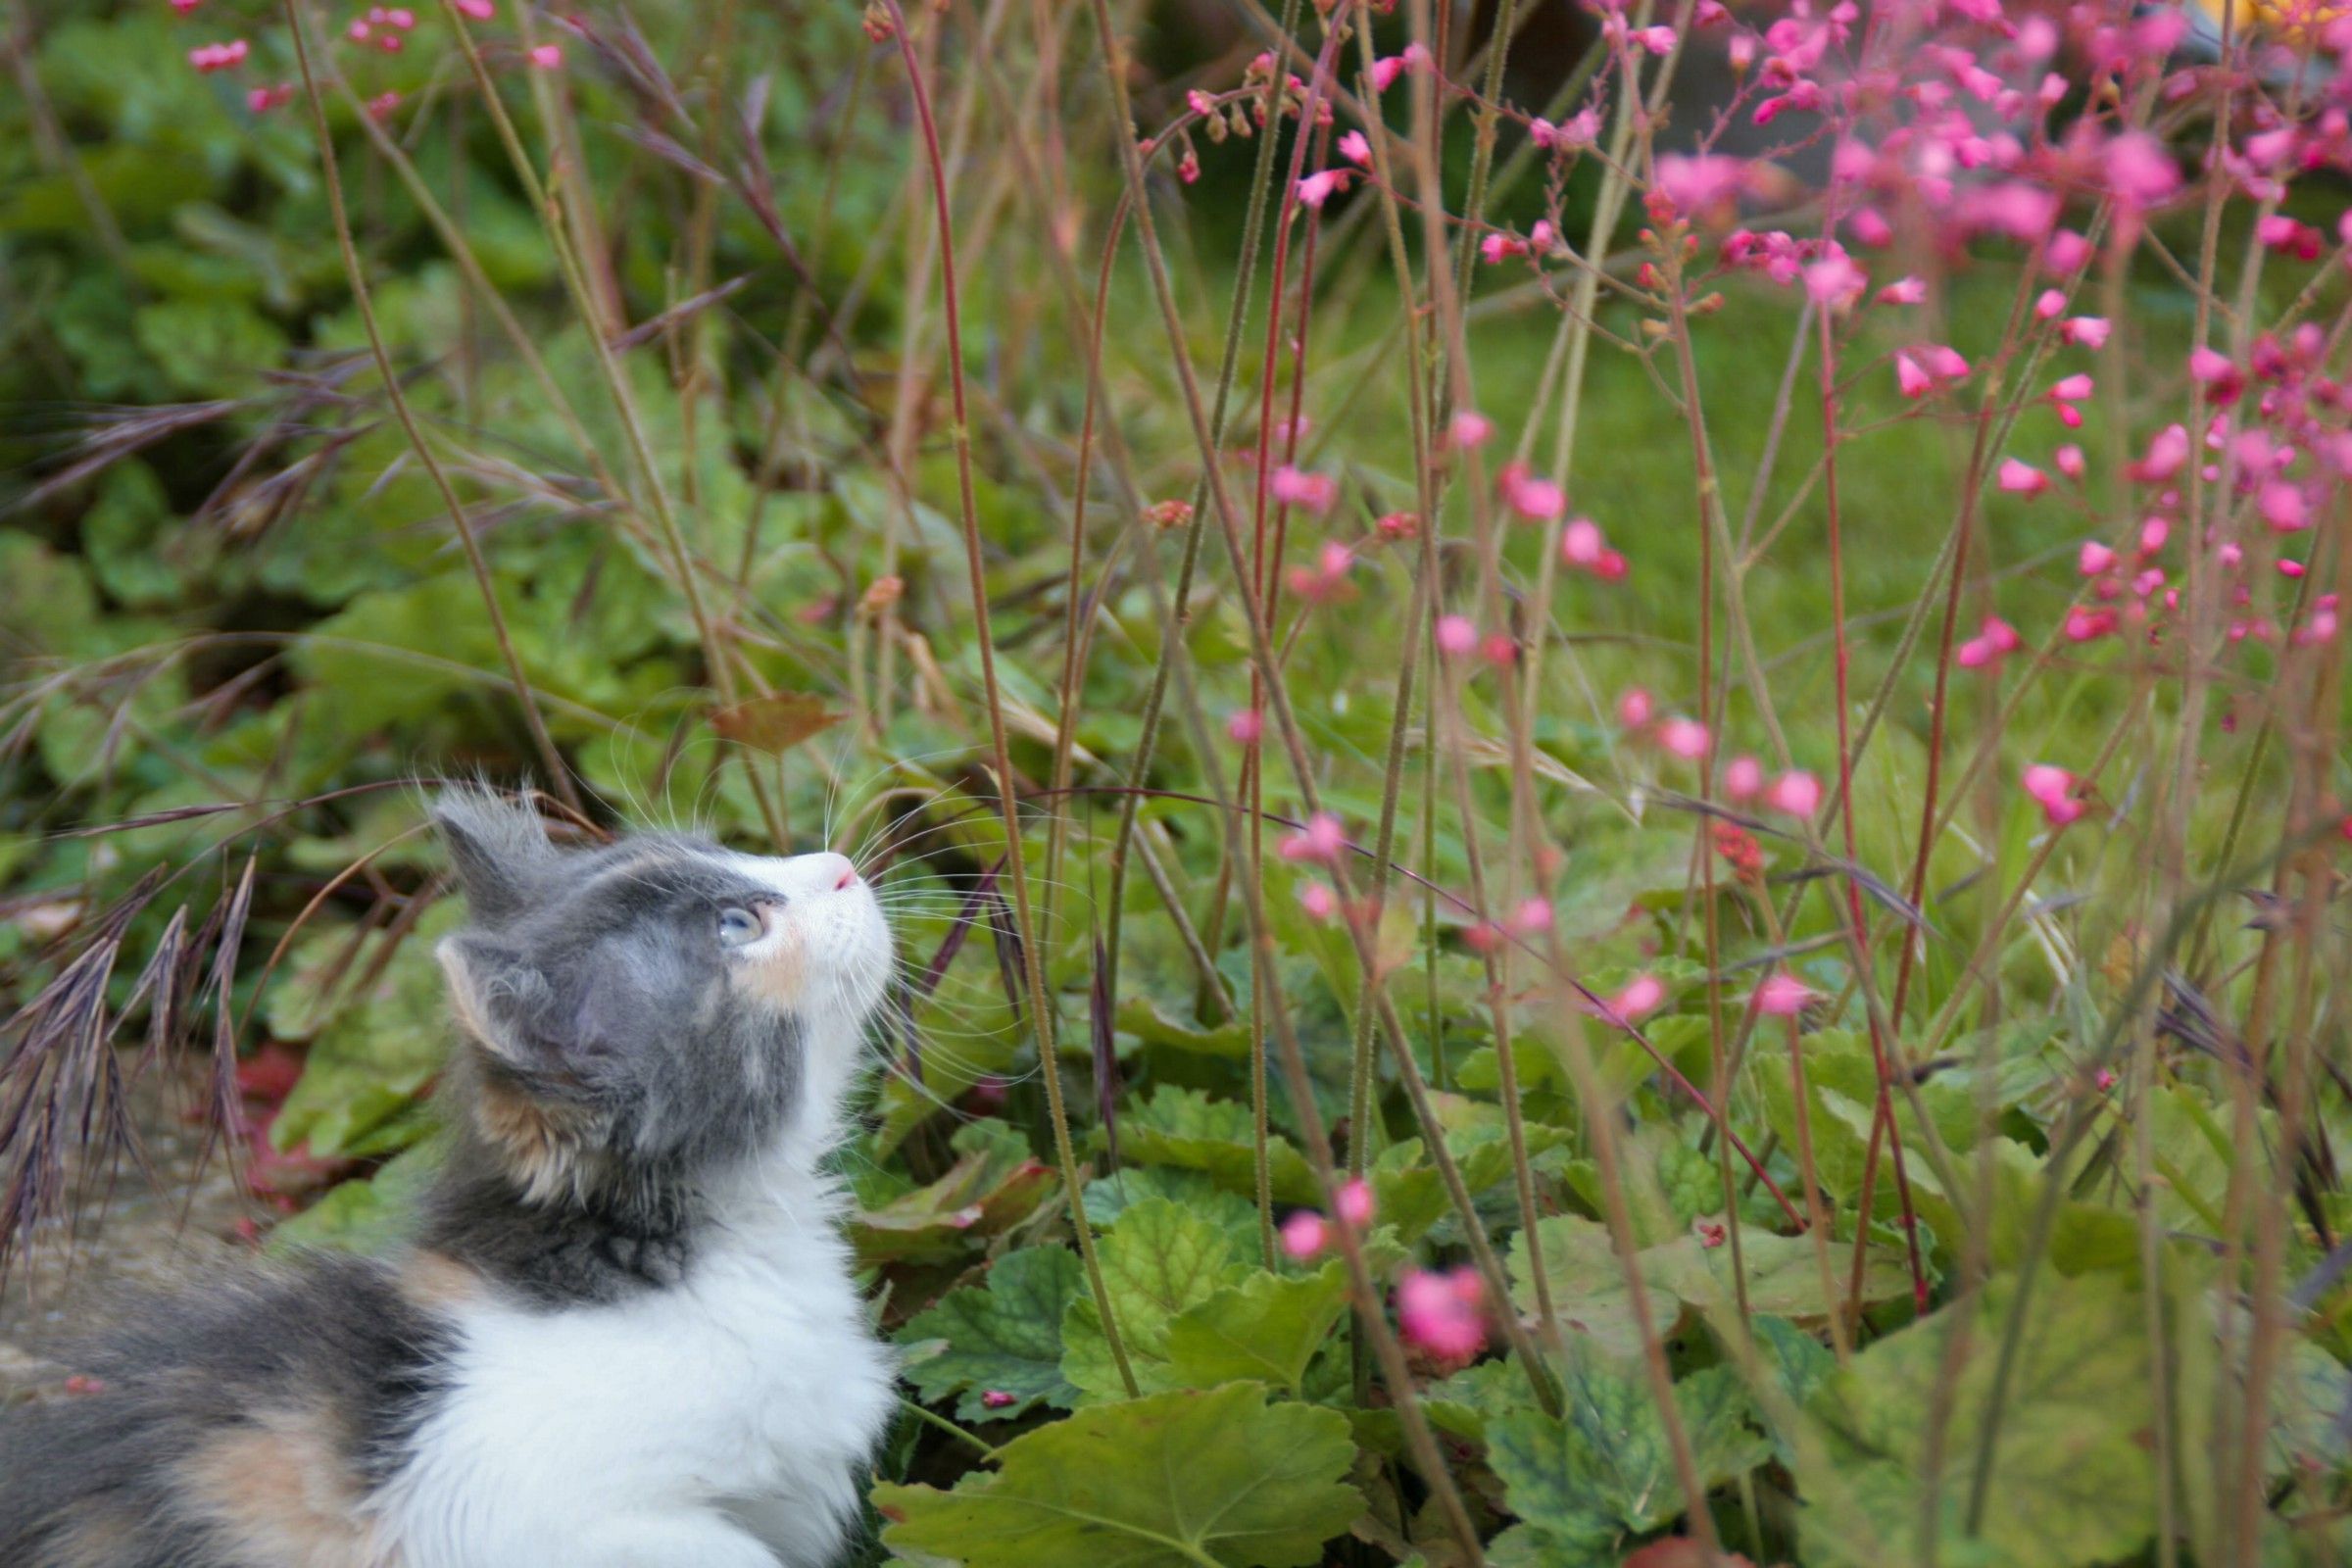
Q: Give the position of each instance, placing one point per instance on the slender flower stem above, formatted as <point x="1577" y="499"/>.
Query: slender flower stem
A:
<point x="1032" y="958"/>
<point x="559" y="776"/>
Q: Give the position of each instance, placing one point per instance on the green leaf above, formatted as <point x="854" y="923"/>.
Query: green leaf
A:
<point x="1605" y="1470"/>
<point x="1590" y="1294"/>
<point x="1158" y="1261"/>
<point x="1186" y="1129"/>
<point x="1267" y="1328"/>
<point x="1138" y="1017"/>
<point x="1110" y="1196"/>
<point x="1183" y="1480"/>
<point x="1803" y="1367"/>
<point x="370" y="1214"/>
<point x="1004" y="1336"/>
<point x="2069" y="1482"/>
<point x="373" y="1051"/>
<point x="994" y="1184"/>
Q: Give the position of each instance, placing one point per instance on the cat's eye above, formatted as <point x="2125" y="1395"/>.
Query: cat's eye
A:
<point x="739" y="926"/>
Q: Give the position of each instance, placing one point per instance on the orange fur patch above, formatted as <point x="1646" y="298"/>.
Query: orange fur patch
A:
<point x="780" y="980"/>
<point x="439" y="1283"/>
<point x="277" y="1495"/>
<point x="541" y="1145"/>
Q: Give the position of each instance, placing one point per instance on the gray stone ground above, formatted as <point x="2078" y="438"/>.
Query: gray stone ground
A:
<point x="181" y="1228"/>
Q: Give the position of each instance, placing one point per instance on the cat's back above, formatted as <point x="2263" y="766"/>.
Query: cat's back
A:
<point x="247" y="1424"/>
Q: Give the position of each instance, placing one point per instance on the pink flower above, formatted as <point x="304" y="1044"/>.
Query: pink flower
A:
<point x="1385" y="72"/>
<point x="1913" y="381"/>
<point x="1322" y="839"/>
<point x="1702" y="186"/>
<point x="1498" y="248"/>
<point x="2051" y="302"/>
<point x="1904" y="291"/>
<point x="2282" y="507"/>
<point x="2054" y="788"/>
<point x="1356" y="149"/>
<point x="1794" y="794"/>
<point x="2083" y="331"/>
<point x="1311" y="492"/>
<point x="2085" y="624"/>
<point x="1532" y="915"/>
<point x="1441" y="1312"/>
<point x="2139" y="171"/>
<point x="1317" y="189"/>
<point x="1536" y="500"/>
<point x="1580" y="130"/>
<point x="1835" y="283"/>
<point x="478" y="9"/>
<point x="1456" y="635"/>
<point x="1246" y="727"/>
<point x="2152" y="535"/>
<point x="1317" y="901"/>
<point x="1783" y="996"/>
<point x="1470" y="429"/>
<point x="2217" y="375"/>
<point x="211" y="57"/>
<point x="1742" y="778"/>
<point x="1353" y="1204"/>
<point x="183" y="7"/>
<point x="996" y="1398"/>
<point x="2076" y="388"/>
<point x="261" y="100"/>
<point x="1686" y="738"/>
<point x="1582" y="544"/>
<point x="2281" y="233"/>
<point x="2093" y="558"/>
<point x="1634" y="707"/>
<point x="1942" y="362"/>
<point x="547" y="57"/>
<point x="2068" y="460"/>
<point x="2166" y="455"/>
<point x="2067" y="253"/>
<point x="1304" y="1235"/>
<point x="1642" y="995"/>
<point x="2022" y="479"/>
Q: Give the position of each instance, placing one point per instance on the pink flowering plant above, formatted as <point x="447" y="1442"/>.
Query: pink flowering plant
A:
<point x="1607" y="739"/>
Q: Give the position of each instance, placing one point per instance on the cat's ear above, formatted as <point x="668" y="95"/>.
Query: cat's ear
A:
<point x="534" y="1114"/>
<point x="504" y="1002"/>
<point x="561" y="1032"/>
<point x="500" y="849"/>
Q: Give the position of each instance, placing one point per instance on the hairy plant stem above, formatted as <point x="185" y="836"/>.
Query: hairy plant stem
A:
<point x="559" y="776"/>
<point x="1032" y="958"/>
<point x="558" y="227"/>
<point x="1172" y="630"/>
<point x="1286" y="723"/>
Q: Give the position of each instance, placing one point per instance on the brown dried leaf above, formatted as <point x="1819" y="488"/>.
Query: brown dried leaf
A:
<point x="776" y="722"/>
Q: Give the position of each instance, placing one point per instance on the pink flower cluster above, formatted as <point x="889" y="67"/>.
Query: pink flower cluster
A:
<point x="1305" y="1234"/>
<point x="208" y="58"/>
<point x="1444" y="1314"/>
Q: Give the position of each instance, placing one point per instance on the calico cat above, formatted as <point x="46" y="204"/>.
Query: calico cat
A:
<point x="626" y="1334"/>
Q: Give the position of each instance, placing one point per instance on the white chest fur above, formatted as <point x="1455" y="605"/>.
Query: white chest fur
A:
<point x="722" y="1422"/>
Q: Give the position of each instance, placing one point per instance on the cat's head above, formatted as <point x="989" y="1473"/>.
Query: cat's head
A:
<point x="658" y="1003"/>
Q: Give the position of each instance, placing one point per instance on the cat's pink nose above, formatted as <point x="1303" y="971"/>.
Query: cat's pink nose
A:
<point x="842" y="874"/>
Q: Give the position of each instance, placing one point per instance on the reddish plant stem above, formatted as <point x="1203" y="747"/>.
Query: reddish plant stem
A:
<point x="1842" y="659"/>
<point x="1032" y="959"/>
